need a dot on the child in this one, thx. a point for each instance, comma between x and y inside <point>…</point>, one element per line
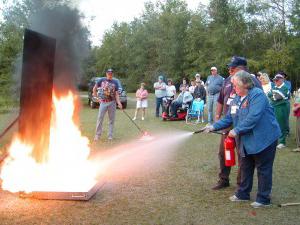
<point>141,101</point>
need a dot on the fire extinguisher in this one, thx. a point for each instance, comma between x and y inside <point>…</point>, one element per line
<point>229,146</point>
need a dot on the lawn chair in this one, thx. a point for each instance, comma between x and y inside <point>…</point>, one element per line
<point>195,112</point>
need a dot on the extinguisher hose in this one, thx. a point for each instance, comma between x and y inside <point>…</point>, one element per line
<point>215,131</point>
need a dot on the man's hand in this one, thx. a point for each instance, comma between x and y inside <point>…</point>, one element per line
<point>232,133</point>
<point>208,128</point>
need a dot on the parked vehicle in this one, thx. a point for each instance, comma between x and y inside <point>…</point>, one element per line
<point>93,102</point>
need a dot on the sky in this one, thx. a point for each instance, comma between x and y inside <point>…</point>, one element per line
<point>101,14</point>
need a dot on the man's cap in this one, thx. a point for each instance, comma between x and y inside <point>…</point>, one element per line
<point>197,75</point>
<point>237,61</point>
<point>213,68</point>
<point>160,77</point>
<point>278,77</point>
<point>110,70</point>
<point>282,73</point>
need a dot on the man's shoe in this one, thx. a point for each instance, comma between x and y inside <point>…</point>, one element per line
<point>96,138</point>
<point>134,118</point>
<point>110,138</point>
<point>259,205</point>
<point>280,146</point>
<point>220,185</point>
<point>296,150</point>
<point>233,198</point>
<point>143,118</point>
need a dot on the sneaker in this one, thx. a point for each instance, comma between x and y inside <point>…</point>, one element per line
<point>220,185</point>
<point>233,198</point>
<point>143,118</point>
<point>110,138</point>
<point>134,118</point>
<point>96,138</point>
<point>259,205</point>
<point>280,146</point>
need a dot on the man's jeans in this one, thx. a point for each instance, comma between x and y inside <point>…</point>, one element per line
<point>211,107</point>
<point>174,106</point>
<point>109,107</point>
<point>263,162</point>
<point>159,102</point>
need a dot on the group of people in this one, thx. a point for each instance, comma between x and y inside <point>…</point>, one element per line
<point>197,89</point>
<point>249,108</point>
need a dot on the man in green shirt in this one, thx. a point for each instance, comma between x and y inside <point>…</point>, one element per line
<point>279,97</point>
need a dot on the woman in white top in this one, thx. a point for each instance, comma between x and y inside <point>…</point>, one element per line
<point>192,87</point>
<point>170,89</point>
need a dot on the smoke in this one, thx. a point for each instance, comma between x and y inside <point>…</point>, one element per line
<point>64,24</point>
<point>138,157</point>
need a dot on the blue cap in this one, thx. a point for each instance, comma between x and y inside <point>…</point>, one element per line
<point>110,70</point>
<point>237,61</point>
<point>160,77</point>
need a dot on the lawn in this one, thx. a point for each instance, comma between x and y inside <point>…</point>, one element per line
<point>177,191</point>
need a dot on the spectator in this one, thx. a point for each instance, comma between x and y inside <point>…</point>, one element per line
<point>141,101</point>
<point>198,78</point>
<point>107,91</point>
<point>227,94</point>
<point>170,95</point>
<point>213,85</point>
<point>296,111</point>
<point>279,95</point>
<point>185,82</point>
<point>199,92</point>
<point>160,92</point>
<point>184,97</point>
<point>265,82</point>
<point>192,86</point>
<point>251,116</point>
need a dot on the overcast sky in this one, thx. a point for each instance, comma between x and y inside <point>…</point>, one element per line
<point>106,12</point>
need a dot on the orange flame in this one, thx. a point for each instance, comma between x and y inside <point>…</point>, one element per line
<point>67,168</point>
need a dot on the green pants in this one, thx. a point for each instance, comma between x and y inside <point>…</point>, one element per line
<point>282,116</point>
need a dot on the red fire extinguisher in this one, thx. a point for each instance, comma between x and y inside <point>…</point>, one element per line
<point>229,146</point>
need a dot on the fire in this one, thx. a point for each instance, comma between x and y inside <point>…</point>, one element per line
<point>67,168</point>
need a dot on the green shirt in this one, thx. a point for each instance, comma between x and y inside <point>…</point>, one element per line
<point>279,95</point>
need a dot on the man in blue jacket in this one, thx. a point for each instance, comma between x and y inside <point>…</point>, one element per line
<point>256,131</point>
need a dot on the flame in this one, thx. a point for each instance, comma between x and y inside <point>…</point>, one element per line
<point>67,168</point>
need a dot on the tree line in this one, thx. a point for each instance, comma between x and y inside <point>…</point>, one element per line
<point>170,39</point>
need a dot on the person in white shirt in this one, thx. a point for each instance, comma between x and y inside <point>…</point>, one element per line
<point>192,87</point>
<point>170,96</point>
<point>160,92</point>
<point>198,78</point>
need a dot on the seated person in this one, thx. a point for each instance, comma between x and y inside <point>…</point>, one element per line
<point>184,97</point>
<point>199,92</point>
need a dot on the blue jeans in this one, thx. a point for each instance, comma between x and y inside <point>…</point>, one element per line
<point>159,102</point>
<point>174,106</point>
<point>263,162</point>
<point>211,106</point>
<point>109,107</point>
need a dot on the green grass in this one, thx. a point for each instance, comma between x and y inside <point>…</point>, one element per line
<point>176,193</point>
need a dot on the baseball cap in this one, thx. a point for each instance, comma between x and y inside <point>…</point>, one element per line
<point>197,75</point>
<point>110,70</point>
<point>213,68</point>
<point>237,61</point>
<point>160,77</point>
<point>278,77</point>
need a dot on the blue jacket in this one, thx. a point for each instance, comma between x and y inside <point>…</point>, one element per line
<point>254,121</point>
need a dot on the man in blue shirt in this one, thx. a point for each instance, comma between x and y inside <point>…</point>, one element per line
<point>106,89</point>
<point>213,85</point>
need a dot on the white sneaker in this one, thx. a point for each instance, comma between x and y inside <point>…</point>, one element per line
<point>280,146</point>
<point>134,118</point>
<point>233,198</point>
<point>143,118</point>
<point>259,205</point>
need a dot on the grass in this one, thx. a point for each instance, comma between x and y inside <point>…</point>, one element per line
<point>176,193</point>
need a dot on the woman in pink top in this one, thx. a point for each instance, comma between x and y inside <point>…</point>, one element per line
<point>141,101</point>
